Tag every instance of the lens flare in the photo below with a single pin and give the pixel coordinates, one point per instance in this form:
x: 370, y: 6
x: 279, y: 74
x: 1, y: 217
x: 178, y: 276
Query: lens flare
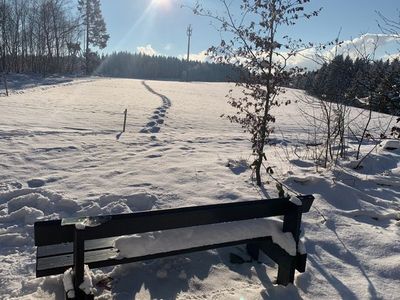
x: 161, y: 3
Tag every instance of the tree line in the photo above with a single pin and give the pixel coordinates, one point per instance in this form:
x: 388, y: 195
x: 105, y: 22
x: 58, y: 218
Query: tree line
x: 360, y: 82
x: 137, y: 65
x: 46, y: 36
x: 59, y: 36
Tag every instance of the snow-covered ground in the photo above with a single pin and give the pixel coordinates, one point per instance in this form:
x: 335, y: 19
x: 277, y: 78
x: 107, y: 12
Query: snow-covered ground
x: 60, y: 157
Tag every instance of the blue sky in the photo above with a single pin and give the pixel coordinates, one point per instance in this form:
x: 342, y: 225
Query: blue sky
x: 160, y: 25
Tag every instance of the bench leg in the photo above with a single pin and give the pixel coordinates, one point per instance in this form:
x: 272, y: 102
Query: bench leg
x: 253, y: 250
x: 301, y: 262
x: 286, y: 263
x: 79, y: 266
x: 286, y: 270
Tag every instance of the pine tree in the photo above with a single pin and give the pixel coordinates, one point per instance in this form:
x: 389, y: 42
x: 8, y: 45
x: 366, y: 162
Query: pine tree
x: 95, y: 28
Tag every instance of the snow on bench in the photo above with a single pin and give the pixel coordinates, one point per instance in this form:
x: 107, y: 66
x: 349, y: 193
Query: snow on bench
x: 198, y: 236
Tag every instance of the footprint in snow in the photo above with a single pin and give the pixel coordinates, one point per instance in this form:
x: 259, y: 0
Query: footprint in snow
x: 35, y: 183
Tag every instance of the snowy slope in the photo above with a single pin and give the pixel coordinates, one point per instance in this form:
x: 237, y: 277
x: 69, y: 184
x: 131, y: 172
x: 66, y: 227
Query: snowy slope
x: 60, y: 156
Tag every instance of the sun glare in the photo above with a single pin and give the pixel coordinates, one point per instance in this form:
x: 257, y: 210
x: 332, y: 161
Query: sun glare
x: 161, y: 3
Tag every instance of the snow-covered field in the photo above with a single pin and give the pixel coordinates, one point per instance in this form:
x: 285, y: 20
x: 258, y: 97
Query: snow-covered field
x: 60, y: 157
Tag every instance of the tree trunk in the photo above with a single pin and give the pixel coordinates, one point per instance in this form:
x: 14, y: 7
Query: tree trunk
x: 3, y: 36
x: 363, y: 134
x: 260, y: 150
x: 87, y: 36
x: 258, y: 170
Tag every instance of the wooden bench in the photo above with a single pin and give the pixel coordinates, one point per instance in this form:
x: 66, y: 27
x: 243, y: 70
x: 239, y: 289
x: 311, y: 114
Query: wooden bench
x: 62, y: 244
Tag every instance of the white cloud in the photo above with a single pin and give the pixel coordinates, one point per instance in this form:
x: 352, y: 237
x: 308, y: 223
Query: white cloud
x: 305, y: 59
x: 367, y: 42
x: 311, y: 58
x: 201, y: 56
x: 363, y: 45
x: 391, y: 57
x: 148, y: 50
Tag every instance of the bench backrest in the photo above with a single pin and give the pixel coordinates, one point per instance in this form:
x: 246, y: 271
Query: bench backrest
x: 52, y: 232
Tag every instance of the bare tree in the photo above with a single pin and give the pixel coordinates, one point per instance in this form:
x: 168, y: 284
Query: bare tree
x: 369, y: 83
x: 392, y: 27
x: 339, y: 83
x: 4, y: 40
x: 254, y: 45
x: 388, y: 25
x: 35, y: 35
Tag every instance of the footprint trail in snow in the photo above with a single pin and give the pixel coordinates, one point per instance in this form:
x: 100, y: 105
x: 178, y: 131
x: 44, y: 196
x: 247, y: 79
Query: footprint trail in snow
x: 157, y: 119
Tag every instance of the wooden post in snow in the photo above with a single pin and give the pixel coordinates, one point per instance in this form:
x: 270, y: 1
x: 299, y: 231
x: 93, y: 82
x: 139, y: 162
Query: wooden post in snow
x: 125, y: 113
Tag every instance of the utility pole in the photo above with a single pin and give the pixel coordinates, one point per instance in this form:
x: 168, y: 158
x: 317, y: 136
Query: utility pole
x: 189, y: 35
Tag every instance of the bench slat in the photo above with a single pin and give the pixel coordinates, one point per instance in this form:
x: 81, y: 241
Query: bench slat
x: 67, y: 248
x: 53, y: 265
